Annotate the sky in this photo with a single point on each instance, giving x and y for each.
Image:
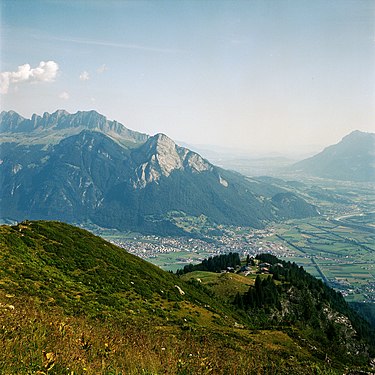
(257, 76)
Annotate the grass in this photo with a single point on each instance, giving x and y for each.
(336, 249)
(224, 285)
(71, 303)
(78, 345)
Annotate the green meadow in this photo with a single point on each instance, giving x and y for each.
(345, 256)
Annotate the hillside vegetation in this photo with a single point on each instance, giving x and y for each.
(72, 303)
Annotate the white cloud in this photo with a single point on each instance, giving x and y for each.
(84, 76)
(102, 69)
(4, 82)
(64, 95)
(46, 71)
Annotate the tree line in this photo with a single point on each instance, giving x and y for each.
(213, 264)
(294, 297)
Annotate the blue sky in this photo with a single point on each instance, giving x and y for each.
(260, 76)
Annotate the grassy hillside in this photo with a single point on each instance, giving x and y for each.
(283, 295)
(223, 285)
(71, 303)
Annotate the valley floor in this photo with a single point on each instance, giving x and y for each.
(341, 256)
(337, 247)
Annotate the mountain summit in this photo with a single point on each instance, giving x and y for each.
(352, 159)
(160, 156)
(52, 127)
(83, 168)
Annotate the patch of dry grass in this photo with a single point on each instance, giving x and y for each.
(37, 339)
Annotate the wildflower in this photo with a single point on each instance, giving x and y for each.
(49, 360)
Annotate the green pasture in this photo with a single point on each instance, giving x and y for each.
(344, 255)
(175, 260)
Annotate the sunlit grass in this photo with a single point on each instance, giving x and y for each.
(70, 303)
(39, 341)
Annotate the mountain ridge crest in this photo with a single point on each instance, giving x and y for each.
(61, 121)
(351, 159)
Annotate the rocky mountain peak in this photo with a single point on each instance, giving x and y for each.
(160, 143)
(160, 156)
(10, 114)
(62, 119)
(9, 120)
(59, 113)
(61, 124)
(53, 117)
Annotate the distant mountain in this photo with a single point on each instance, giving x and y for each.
(352, 159)
(83, 168)
(51, 128)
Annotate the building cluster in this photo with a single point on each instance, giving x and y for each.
(245, 241)
(234, 239)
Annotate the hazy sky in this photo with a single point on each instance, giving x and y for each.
(257, 75)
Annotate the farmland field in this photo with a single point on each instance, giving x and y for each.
(338, 246)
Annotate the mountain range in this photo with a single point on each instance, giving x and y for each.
(352, 159)
(84, 168)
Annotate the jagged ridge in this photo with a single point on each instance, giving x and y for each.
(67, 124)
(115, 182)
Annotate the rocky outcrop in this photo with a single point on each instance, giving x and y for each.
(52, 127)
(160, 156)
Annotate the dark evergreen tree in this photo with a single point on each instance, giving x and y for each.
(213, 264)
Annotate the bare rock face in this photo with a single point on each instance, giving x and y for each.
(197, 164)
(166, 156)
(163, 157)
(144, 175)
(223, 182)
(51, 128)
